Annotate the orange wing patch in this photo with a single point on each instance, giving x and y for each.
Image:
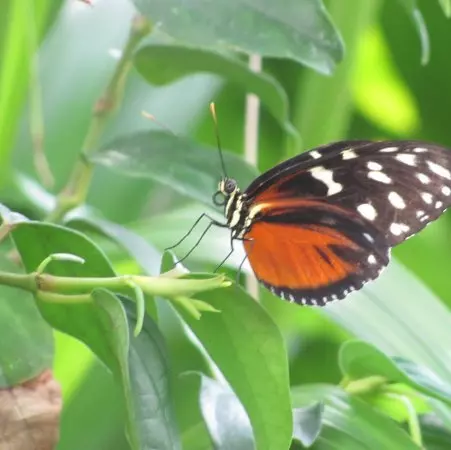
(295, 257)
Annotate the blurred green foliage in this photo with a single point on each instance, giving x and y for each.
(55, 62)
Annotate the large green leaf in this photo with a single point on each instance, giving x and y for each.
(297, 29)
(249, 350)
(359, 359)
(226, 419)
(349, 423)
(141, 368)
(36, 241)
(26, 341)
(163, 64)
(180, 163)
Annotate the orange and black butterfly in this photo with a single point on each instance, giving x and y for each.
(320, 225)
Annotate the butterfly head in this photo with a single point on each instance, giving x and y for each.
(227, 188)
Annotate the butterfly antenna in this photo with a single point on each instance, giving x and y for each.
(218, 141)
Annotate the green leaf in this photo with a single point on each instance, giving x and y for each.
(141, 367)
(141, 250)
(249, 350)
(359, 359)
(26, 341)
(226, 419)
(307, 423)
(415, 14)
(349, 423)
(35, 241)
(179, 163)
(446, 6)
(390, 314)
(297, 29)
(163, 64)
(22, 25)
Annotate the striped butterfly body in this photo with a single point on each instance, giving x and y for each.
(322, 224)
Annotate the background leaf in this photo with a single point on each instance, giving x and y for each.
(300, 30)
(183, 165)
(350, 423)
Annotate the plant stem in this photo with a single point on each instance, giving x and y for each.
(77, 289)
(76, 189)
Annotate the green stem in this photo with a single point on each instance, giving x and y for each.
(76, 189)
(73, 289)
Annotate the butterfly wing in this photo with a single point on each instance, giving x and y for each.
(323, 223)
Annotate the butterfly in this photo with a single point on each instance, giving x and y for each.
(320, 225)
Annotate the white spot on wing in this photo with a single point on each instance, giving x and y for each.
(439, 170)
(425, 218)
(406, 158)
(399, 228)
(372, 259)
(438, 204)
(388, 149)
(446, 190)
(423, 178)
(315, 154)
(327, 177)
(349, 154)
(368, 237)
(420, 150)
(379, 176)
(427, 198)
(367, 211)
(396, 200)
(420, 213)
(374, 165)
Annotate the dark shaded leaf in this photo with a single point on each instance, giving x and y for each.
(177, 162)
(297, 29)
(26, 344)
(415, 14)
(163, 64)
(141, 367)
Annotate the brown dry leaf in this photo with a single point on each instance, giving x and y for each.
(30, 413)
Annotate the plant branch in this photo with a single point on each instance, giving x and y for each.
(76, 189)
(53, 288)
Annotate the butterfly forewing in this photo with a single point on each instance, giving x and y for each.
(323, 223)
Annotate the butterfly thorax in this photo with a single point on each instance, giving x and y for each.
(235, 207)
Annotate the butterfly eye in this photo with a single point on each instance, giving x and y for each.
(230, 186)
(219, 199)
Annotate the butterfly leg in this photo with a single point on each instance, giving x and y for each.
(228, 254)
(240, 267)
(211, 223)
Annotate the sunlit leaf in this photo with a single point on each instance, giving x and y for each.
(297, 29)
(349, 423)
(226, 419)
(359, 359)
(249, 350)
(307, 423)
(185, 166)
